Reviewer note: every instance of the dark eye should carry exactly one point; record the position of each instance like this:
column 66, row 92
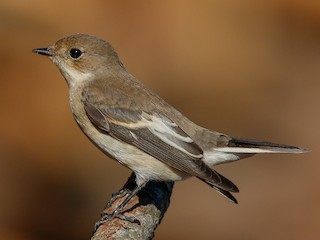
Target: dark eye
column 75, row 53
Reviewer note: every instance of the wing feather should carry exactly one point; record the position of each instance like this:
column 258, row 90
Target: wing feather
column 158, row 136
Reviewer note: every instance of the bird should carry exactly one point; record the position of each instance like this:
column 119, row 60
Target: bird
column 133, row 125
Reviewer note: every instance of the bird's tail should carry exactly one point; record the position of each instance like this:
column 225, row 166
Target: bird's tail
column 232, row 149
column 238, row 145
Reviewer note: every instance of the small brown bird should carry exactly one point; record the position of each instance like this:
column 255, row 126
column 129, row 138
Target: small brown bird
column 133, row 125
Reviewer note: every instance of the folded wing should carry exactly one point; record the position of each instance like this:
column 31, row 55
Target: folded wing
column 158, row 136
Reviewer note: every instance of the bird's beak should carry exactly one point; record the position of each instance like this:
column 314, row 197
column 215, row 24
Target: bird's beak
column 43, row 51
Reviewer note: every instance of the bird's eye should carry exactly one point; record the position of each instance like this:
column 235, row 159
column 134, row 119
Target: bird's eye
column 75, row 53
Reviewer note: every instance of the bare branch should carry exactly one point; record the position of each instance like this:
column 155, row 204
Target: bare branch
column 148, row 207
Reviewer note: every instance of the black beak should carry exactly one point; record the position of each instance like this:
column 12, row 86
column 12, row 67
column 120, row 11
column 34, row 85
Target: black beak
column 43, row 51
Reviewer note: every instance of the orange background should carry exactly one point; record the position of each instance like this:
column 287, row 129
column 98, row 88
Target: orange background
column 246, row 68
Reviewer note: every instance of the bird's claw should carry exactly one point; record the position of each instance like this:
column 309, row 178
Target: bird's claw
column 116, row 196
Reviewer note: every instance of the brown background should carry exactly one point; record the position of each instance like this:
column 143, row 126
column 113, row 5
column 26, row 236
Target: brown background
column 246, row 68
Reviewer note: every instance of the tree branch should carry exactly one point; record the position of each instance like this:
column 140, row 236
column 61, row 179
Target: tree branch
column 148, row 206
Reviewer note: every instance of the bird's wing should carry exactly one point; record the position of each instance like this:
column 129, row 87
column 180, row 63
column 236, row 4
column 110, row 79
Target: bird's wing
column 156, row 135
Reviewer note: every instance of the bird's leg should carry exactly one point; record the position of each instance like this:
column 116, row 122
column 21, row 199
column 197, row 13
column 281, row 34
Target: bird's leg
column 114, row 197
column 117, row 211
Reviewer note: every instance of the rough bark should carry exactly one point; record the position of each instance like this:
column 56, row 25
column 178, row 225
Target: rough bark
column 148, row 207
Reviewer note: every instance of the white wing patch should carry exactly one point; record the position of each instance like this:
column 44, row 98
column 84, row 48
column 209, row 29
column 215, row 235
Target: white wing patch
column 159, row 127
column 164, row 129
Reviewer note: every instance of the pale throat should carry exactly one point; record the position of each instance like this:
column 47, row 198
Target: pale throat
column 73, row 76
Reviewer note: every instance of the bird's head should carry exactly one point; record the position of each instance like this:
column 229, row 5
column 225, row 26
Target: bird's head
column 81, row 56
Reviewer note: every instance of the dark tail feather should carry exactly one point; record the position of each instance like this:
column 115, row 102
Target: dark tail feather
column 238, row 145
column 224, row 193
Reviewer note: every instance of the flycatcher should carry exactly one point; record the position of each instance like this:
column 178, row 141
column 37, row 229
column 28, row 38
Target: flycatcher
column 136, row 127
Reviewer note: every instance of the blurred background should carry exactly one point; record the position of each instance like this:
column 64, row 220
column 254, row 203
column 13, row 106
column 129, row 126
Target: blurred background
column 246, row 68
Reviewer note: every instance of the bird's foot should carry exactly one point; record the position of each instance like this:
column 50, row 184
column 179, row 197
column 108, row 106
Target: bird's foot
column 114, row 197
column 118, row 210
